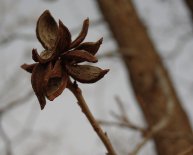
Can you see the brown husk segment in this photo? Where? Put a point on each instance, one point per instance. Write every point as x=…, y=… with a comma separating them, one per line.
x=64, y=39
x=80, y=56
x=61, y=44
x=29, y=68
x=85, y=73
x=55, y=81
x=37, y=80
x=56, y=86
x=44, y=57
x=81, y=35
x=47, y=30
x=91, y=47
x=60, y=59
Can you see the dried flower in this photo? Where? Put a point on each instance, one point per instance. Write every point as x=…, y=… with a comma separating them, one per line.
x=59, y=60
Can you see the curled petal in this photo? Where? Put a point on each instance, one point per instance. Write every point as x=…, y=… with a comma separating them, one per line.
x=47, y=30
x=57, y=70
x=80, y=56
x=53, y=72
x=64, y=38
x=55, y=81
x=81, y=35
x=48, y=74
x=37, y=80
x=62, y=44
x=56, y=86
x=86, y=73
x=44, y=57
x=91, y=47
x=28, y=68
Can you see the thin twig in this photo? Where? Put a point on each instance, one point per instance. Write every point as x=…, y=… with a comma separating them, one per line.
x=16, y=102
x=5, y=138
x=82, y=103
x=182, y=42
x=123, y=119
x=122, y=124
x=27, y=127
x=3, y=110
x=12, y=37
x=125, y=52
x=155, y=129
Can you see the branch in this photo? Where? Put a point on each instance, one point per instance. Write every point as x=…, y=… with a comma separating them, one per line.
x=5, y=138
x=182, y=41
x=16, y=102
x=82, y=103
x=12, y=37
x=123, y=119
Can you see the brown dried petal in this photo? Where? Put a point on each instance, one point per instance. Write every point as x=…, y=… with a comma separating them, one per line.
x=81, y=35
x=48, y=73
x=57, y=70
x=44, y=57
x=55, y=81
x=56, y=86
x=91, y=47
x=86, y=73
x=37, y=80
x=53, y=72
x=80, y=56
x=47, y=30
x=64, y=38
x=28, y=68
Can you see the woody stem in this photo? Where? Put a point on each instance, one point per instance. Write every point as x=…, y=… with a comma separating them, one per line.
x=85, y=109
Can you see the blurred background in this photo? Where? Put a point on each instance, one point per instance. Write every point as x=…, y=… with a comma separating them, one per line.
x=61, y=128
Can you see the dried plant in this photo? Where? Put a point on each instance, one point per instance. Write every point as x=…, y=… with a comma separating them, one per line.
x=50, y=75
x=59, y=61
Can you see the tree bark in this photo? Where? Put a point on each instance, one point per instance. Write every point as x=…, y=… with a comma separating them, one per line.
x=151, y=83
x=189, y=4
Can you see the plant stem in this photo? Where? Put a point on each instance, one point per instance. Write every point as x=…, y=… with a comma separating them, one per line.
x=82, y=103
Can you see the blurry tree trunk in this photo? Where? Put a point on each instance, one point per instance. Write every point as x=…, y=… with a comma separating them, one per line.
x=151, y=83
x=189, y=4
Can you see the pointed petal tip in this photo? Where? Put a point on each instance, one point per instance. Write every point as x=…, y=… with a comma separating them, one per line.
x=86, y=23
x=91, y=47
x=60, y=22
x=46, y=12
x=42, y=107
x=23, y=66
x=100, y=40
x=27, y=67
x=95, y=61
x=86, y=20
x=80, y=56
x=34, y=49
x=106, y=71
x=51, y=97
x=86, y=73
x=35, y=55
x=42, y=102
x=79, y=39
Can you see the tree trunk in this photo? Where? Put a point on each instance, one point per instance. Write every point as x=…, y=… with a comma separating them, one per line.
x=151, y=83
x=189, y=4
